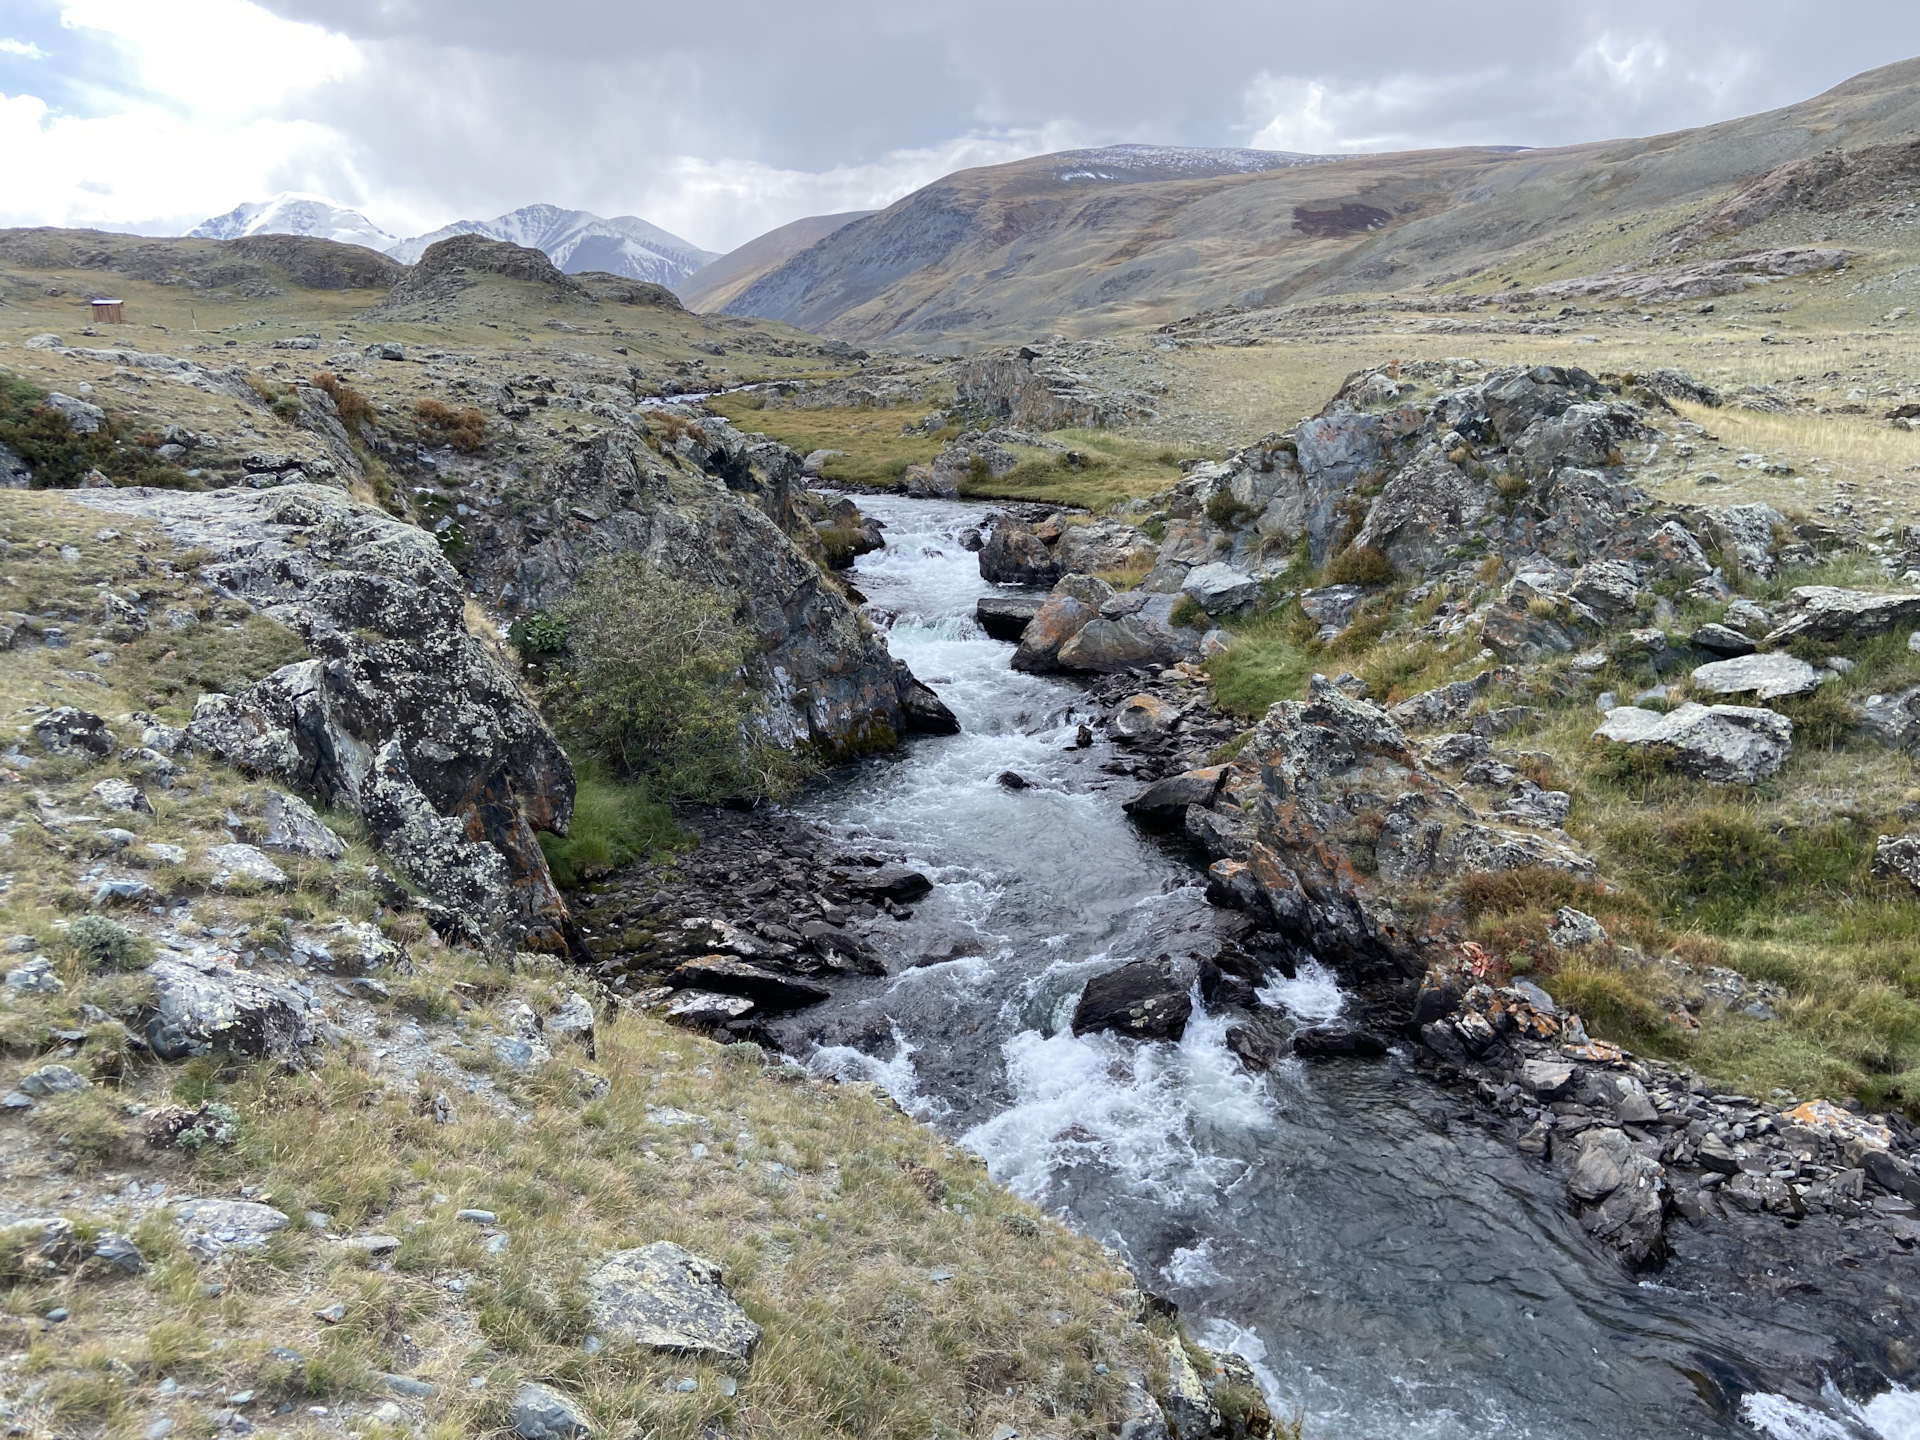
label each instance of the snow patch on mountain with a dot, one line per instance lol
(292, 213)
(1162, 162)
(576, 241)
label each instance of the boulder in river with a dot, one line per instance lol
(889, 882)
(1142, 999)
(1073, 605)
(1621, 1194)
(1005, 617)
(1014, 555)
(1325, 1042)
(1165, 801)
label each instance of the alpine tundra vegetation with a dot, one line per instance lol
(1057, 853)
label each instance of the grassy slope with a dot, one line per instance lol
(830, 1211)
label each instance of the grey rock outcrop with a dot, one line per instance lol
(1721, 744)
(1220, 589)
(722, 516)
(203, 1005)
(402, 715)
(289, 824)
(1827, 612)
(666, 1298)
(1328, 815)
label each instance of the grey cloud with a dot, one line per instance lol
(477, 105)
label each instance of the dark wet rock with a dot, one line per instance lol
(1005, 617)
(1012, 780)
(725, 975)
(1827, 612)
(1324, 1042)
(67, 731)
(922, 711)
(890, 882)
(1721, 640)
(665, 1298)
(205, 1005)
(1621, 1195)
(1721, 744)
(1165, 801)
(1142, 999)
(1014, 555)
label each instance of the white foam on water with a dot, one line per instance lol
(1126, 1106)
(1192, 1266)
(895, 1074)
(1312, 994)
(1894, 1415)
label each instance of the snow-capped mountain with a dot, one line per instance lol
(576, 240)
(291, 213)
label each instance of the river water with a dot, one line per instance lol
(1391, 1273)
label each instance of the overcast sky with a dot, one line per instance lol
(721, 120)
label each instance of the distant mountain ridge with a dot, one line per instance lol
(575, 240)
(1089, 242)
(292, 213)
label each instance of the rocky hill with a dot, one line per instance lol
(1043, 244)
(715, 284)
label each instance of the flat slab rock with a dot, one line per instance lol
(1765, 677)
(667, 1298)
(1721, 744)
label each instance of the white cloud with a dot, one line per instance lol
(187, 107)
(22, 47)
(732, 201)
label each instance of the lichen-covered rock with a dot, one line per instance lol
(1765, 677)
(1328, 818)
(542, 1413)
(1827, 612)
(1897, 857)
(1721, 744)
(722, 516)
(666, 1298)
(289, 824)
(202, 1005)
(1748, 536)
(243, 866)
(1073, 605)
(67, 731)
(395, 678)
(1220, 589)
